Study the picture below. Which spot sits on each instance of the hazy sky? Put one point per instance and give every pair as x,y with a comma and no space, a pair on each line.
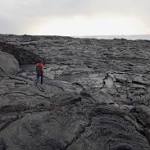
75,17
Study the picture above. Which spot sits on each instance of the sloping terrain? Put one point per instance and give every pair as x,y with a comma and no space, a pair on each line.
95,94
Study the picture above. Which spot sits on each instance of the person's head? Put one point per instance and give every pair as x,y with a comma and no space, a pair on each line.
39,61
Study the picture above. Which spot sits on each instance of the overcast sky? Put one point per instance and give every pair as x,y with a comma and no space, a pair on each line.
75,17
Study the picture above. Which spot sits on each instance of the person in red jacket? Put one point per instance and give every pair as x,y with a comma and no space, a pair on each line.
39,71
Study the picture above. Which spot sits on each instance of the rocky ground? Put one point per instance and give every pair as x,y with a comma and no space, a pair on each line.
95,96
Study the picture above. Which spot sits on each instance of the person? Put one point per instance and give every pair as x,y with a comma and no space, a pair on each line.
39,71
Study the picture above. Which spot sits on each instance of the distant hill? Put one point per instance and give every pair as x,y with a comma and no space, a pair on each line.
129,37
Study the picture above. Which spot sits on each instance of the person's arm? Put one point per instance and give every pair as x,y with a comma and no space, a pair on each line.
44,67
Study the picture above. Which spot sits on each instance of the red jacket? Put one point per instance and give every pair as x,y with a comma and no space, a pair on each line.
39,67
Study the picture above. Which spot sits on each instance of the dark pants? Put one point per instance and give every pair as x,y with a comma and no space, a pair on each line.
39,76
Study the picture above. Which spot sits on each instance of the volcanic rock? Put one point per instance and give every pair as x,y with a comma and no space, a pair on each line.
8,64
95,94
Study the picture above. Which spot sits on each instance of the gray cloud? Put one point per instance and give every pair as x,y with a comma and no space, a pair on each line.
78,7
16,14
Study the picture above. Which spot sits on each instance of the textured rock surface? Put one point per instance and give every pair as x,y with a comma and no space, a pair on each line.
8,64
22,55
95,95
